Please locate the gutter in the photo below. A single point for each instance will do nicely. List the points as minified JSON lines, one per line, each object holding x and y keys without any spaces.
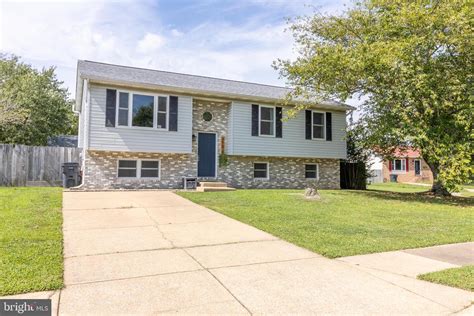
{"x":209,"y":93}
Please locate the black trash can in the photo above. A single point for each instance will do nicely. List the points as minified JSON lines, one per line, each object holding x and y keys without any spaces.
{"x":394,"y":178}
{"x":71,"y":174}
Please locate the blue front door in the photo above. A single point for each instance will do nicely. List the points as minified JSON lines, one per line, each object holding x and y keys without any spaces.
{"x":206,"y":155}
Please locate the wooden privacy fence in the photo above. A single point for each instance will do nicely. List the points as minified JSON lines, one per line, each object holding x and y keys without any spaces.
{"x":22,"y":165}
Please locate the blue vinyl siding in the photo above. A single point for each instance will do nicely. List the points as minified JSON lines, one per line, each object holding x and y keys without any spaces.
{"x":293,"y":143}
{"x":138,"y":139}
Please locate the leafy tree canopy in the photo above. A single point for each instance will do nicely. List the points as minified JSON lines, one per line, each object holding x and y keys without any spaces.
{"x":33,"y":105}
{"x":413,"y":62}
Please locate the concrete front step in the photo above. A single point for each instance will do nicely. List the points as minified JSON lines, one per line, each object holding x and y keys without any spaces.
{"x":213,"y":184}
{"x":213,"y":189}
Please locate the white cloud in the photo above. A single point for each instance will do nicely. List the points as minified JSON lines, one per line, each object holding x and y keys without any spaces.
{"x":150,"y":43}
{"x":176,"y":33}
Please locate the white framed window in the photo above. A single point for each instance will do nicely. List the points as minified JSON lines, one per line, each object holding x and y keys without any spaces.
{"x":266,"y":122}
{"x":143,"y":106}
{"x":399,"y":165}
{"x":142,"y":110}
{"x":142,"y":168}
{"x":311,"y":171}
{"x":149,"y":168}
{"x":127,"y":169}
{"x":318,"y":124}
{"x":122,"y":117}
{"x":261,"y":170}
{"x":162,"y":112}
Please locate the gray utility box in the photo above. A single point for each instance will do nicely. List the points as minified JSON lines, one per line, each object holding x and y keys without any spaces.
{"x":394,"y":178}
{"x":71,"y":174}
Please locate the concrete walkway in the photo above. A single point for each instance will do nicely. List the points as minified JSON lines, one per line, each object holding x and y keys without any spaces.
{"x":413,"y":262}
{"x":155,"y":252}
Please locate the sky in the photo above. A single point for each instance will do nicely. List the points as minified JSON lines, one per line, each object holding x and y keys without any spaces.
{"x":232,"y":39}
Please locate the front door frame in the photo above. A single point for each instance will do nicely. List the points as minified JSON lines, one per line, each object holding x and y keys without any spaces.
{"x":217,"y":154}
{"x":414,"y":166}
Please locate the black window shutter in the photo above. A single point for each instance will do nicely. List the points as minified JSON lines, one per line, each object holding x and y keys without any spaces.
{"x":173,"y":117}
{"x":254,"y":119}
{"x":328,"y":126}
{"x":279,"y":124}
{"x":308,"y":114}
{"x":110,"y":104}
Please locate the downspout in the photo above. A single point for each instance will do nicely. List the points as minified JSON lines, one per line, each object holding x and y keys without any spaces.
{"x":85,"y":111}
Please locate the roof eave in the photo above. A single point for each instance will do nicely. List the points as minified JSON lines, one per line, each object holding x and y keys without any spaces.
{"x":208,"y":93}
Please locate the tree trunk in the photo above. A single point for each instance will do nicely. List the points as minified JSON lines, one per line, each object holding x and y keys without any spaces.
{"x":437,"y":188}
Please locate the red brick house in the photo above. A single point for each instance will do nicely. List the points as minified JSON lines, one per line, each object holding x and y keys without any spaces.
{"x":407,"y":166}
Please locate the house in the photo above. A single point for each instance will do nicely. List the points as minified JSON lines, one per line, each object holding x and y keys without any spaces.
{"x":142,"y":128}
{"x":407,"y":166}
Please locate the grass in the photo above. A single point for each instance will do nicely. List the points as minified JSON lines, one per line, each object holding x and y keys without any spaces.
{"x":458,"y":277}
{"x":30,"y":240}
{"x":345,"y":223}
{"x":398,"y":187}
{"x":412,"y":188}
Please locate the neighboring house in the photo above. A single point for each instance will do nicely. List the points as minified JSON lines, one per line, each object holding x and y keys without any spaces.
{"x":142,"y":128}
{"x":407,"y":166}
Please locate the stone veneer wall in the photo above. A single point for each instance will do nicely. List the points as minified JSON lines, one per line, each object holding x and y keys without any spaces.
{"x":101,"y":166}
{"x":101,"y":172}
{"x":285,"y":173}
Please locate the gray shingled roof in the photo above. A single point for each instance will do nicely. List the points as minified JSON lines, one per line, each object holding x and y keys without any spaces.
{"x":180,"y":82}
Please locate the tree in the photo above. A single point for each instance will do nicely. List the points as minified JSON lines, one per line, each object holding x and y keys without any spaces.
{"x":412,"y":61}
{"x":33,"y":105}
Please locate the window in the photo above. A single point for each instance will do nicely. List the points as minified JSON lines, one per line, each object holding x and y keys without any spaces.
{"x":142,"y":110}
{"x":150,"y":169}
{"x":162,"y":112}
{"x":318,"y":125}
{"x":123,"y":109}
{"x":267,"y":120}
{"x":260,"y":170}
{"x":127,"y":168}
{"x":311,"y":171}
{"x":138,"y":169}
{"x":399,"y":165}
{"x":207,"y":116}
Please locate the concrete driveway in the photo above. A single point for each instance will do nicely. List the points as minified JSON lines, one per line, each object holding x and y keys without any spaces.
{"x":148,"y":252}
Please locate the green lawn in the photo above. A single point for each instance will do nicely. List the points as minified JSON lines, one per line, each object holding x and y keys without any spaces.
{"x":345,"y":223}
{"x":403,"y":187}
{"x":458,"y":277}
{"x":30,"y":240}
{"x":398,"y":187}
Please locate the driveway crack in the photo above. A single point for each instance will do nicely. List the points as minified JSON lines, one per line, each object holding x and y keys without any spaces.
{"x":219,"y":281}
{"x":156,"y":225}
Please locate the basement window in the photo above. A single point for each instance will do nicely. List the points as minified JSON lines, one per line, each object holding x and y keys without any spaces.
{"x":311,"y":171}
{"x":260,"y":170}
{"x":150,"y":169}
{"x":138,"y":169}
{"x":127,"y":169}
